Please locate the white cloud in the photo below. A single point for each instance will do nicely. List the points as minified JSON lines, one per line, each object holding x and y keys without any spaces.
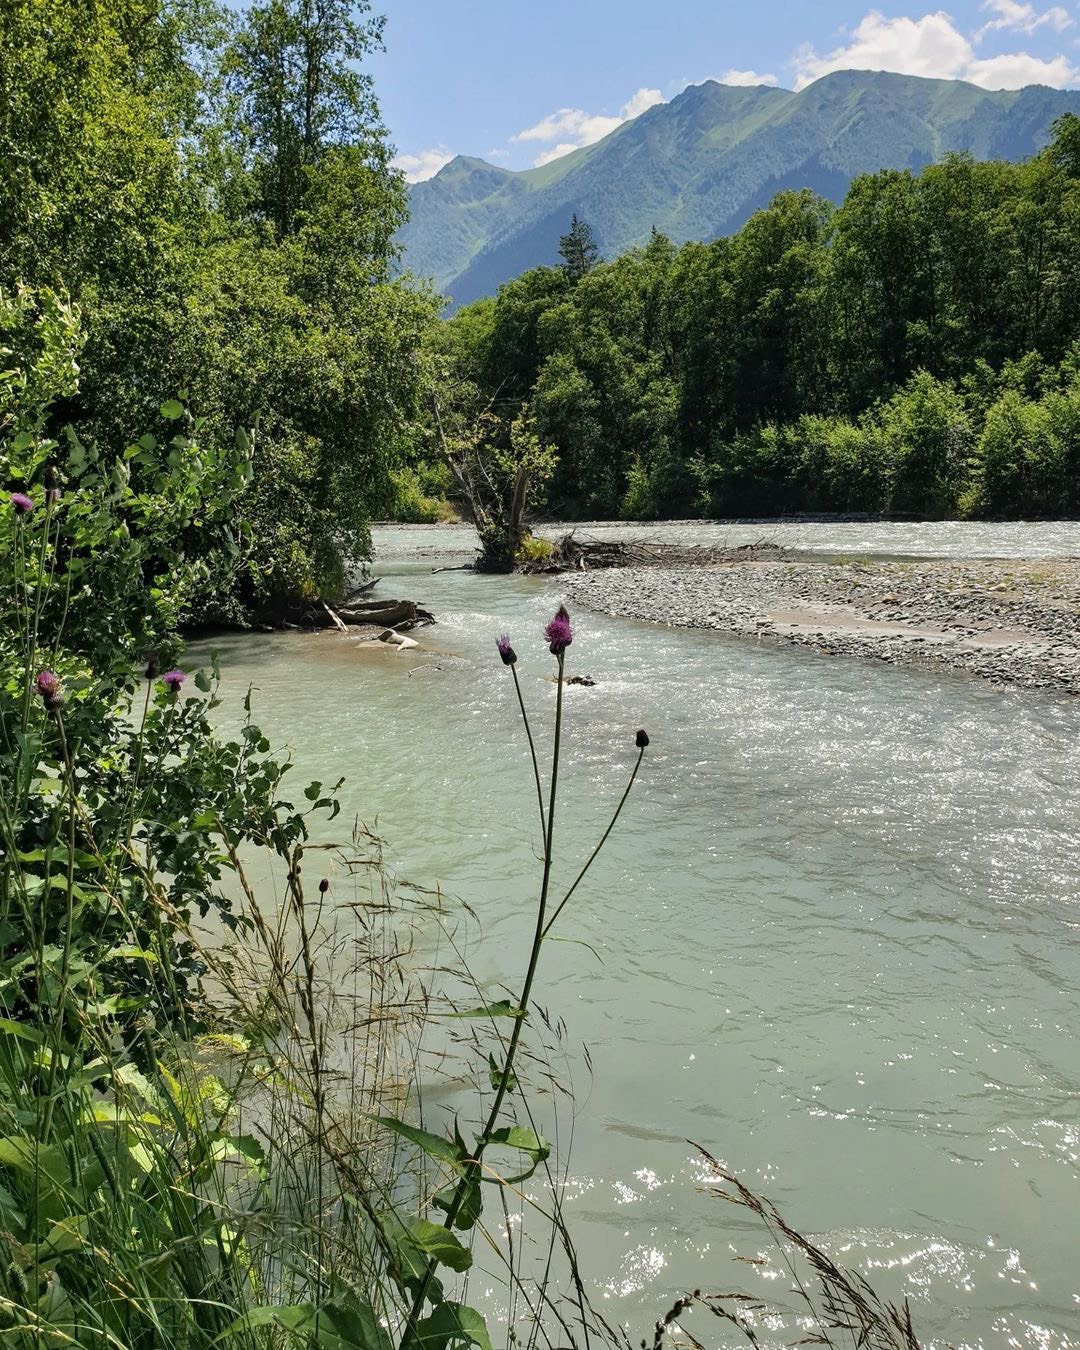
{"x":1011,"y":14}
{"x":747,"y":77}
{"x":556,"y":152}
{"x":1017,"y":69}
{"x":934,"y":47}
{"x":425,"y":164}
{"x":571,"y":128}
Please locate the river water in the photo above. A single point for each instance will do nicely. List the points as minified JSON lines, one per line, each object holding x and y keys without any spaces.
{"x":835,"y":938}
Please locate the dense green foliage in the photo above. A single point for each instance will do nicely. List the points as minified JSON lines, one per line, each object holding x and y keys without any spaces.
{"x":699,"y":166}
{"x":214,"y":190}
{"x":915,"y":351}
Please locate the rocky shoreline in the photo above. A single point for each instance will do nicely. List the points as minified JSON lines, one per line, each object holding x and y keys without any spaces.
{"x":1008,"y":622}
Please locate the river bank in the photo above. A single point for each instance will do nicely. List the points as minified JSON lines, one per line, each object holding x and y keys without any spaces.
{"x":1013,"y":622}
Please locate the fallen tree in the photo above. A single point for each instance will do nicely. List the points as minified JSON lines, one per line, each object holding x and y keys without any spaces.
{"x":571,"y":554}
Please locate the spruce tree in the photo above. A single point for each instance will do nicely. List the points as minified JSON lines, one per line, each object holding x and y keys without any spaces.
{"x":578,"y":250}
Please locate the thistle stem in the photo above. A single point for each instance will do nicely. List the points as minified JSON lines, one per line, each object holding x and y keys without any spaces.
{"x":532,"y":749}
{"x":600,"y":845}
{"x":472,"y":1166}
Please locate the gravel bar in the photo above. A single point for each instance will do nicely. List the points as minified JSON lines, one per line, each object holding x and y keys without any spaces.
{"x":1009,"y":622}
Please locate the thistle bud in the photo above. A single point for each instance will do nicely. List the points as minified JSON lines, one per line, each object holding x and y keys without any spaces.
{"x":48,"y":686}
{"x":641,"y":740}
{"x":558,"y":632}
{"x":509,"y":656}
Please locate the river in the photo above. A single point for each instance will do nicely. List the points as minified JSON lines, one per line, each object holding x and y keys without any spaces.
{"x":835,"y":937}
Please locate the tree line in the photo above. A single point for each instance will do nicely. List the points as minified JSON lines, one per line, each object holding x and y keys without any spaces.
{"x":914,"y":351}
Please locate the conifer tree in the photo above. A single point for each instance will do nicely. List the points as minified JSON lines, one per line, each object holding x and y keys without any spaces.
{"x":578,"y":250}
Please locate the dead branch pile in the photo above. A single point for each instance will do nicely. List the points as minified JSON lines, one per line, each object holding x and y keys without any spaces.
{"x":401,"y":615}
{"x":355,"y":611}
{"x":572,"y":554}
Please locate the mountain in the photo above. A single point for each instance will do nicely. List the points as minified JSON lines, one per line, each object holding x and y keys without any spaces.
{"x":699,"y":166}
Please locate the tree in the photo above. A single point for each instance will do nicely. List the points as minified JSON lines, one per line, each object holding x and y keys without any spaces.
{"x":292,"y":69}
{"x":578,"y":250}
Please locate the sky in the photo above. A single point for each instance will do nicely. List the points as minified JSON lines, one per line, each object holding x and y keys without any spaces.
{"x":520,"y":82}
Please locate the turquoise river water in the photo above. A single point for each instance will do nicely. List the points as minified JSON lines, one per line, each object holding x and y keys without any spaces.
{"x":835,"y":938}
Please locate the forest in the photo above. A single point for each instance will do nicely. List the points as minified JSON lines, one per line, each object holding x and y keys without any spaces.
{"x":914,"y":352}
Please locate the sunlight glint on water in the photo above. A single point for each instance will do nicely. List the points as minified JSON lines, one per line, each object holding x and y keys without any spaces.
{"x":838,"y":931}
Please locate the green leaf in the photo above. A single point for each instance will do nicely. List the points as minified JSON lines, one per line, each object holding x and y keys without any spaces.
{"x":527,"y":1141}
{"x":453,"y":1324}
{"x":472,"y":1202}
{"x":495,"y":1075}
{"x":415,"y":1238}
{"x":342,"y":1324}
{"x":432,"y":1144}
{"x":504,"y":1008}
{"x":240,"y":1148}
{"x":171,"y":410}
{"x":202,"y":681}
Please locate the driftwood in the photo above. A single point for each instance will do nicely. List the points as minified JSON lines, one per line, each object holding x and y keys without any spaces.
{"x":365,"y":589}
{"x":382,"y":614}
{"x":398,"y":614}
{"x":571,"y":554}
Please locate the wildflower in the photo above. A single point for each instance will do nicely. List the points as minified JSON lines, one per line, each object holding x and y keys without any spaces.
{"x":52,"y":484}
{"x":22,"y":503}
{"x":509,"y":656}
{"x":48,"y":686}
{"x":324,"y":886}
{"x":558,"y":632}
{"x":152,"y":667}
{"x":172,"y":680}
{"x":642,"y":738}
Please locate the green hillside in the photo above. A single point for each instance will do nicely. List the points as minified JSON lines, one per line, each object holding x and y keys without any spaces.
{"x":699,"y":166}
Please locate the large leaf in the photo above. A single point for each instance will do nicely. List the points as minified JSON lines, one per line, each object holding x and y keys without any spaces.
{"x":432,"y":1144}
{"x":525,"y":1140}
{"x":453,"y":1324}
{"x":342,"y":1324}
{"x":415,"y":1240}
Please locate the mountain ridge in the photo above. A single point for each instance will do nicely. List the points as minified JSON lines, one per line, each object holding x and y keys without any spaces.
{"x":700,"y":165}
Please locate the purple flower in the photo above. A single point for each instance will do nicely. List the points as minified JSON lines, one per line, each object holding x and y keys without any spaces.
{"x":558,"y":632}
{"x":641,"y":740}
{"x":48,"y":686}
{"x":22,"y":503}
{"x":172,"y":680}
{"x":509,"y":656}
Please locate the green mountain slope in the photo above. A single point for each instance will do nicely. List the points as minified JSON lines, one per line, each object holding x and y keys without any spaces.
{"x":698,"y":166}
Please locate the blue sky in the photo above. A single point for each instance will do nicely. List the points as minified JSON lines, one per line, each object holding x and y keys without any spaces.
{"x":518,"y":82}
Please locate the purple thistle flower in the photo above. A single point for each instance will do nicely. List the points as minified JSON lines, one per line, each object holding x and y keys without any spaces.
{"x":172,"y":680}
{"x":558,"y":632}
{"x":22,"y":503}
{"x":48,"y":686}
{"x":509,"y":656}
{"x":641,"y":740}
